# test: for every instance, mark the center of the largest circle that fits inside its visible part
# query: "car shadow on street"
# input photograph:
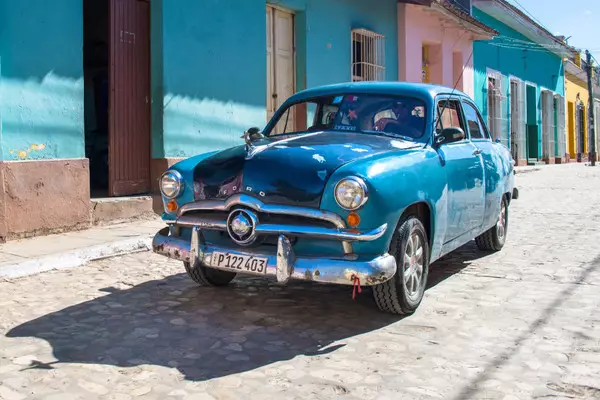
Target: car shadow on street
(205, 332)
(211, 332)
(454, 263)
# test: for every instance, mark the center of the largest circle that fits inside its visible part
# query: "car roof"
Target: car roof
(419, 90)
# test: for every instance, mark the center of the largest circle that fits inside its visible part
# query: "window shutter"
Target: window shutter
(503, 120)
(547, 124)
(522, 122)
(597, 124)
(561, 129)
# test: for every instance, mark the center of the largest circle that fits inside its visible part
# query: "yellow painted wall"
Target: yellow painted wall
(575, 85)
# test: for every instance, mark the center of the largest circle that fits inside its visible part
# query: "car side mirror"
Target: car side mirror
(252, 134)
(449, 135)
(253, 131)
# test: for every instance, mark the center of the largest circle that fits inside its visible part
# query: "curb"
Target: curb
(75, 258)
(525, 171)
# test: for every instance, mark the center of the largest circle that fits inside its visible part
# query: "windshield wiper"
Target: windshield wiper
(391, 135)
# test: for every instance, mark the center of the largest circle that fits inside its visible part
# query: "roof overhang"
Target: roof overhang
(575, 74)
(457, 17)
(520, 22)
(464, 20)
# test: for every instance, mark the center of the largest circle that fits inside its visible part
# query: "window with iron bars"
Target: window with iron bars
(368, 58)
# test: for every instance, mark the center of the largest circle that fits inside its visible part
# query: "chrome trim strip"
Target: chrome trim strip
(345, 235)
(321, 233)
(284, 265)
(205, 222)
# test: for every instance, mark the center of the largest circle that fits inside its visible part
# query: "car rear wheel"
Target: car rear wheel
(494, 238)
(403, 293)
(208, 276)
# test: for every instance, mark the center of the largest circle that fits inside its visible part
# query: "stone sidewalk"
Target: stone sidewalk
(68, 250)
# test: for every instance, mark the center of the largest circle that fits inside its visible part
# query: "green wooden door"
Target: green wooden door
(532, 125)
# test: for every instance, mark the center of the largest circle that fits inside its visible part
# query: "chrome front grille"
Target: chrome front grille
(273, 220)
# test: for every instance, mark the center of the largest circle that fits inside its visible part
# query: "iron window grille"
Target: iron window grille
(368, 56)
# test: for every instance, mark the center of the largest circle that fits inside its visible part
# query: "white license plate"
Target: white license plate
(239, 263)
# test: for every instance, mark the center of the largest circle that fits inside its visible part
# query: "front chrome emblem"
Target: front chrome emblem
(241, 226)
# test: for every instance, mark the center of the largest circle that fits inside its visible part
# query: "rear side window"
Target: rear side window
(476, 127)
(449, 115)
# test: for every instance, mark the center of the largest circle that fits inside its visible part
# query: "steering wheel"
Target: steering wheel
(393, 126)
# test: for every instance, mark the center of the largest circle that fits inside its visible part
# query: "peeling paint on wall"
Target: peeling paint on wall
(29, 153)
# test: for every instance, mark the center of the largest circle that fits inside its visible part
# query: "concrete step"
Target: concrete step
(533, 161)
(116, 209)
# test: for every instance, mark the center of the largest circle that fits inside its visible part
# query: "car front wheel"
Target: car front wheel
(208, 276)
(403, 293)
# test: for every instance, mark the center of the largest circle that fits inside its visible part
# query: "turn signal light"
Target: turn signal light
(353, 219)
(172, 206)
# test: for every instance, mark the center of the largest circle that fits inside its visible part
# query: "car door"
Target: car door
(491, 153)
(464, 173)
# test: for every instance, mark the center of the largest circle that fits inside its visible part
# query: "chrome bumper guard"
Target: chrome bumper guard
(284, 265)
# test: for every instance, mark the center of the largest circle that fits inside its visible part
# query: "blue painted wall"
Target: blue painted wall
(41, 85)
(543, 68)
(209, 83)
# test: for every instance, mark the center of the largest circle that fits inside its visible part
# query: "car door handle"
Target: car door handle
(477, 152)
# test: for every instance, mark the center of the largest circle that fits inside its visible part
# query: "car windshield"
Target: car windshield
(397, 116)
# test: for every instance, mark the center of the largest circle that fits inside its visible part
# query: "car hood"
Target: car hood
(293, 170)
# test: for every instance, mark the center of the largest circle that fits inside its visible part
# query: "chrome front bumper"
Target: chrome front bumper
(284, 265)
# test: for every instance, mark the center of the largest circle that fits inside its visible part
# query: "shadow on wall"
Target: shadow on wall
(209, 66)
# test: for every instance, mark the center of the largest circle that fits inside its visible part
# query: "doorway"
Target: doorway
(580, 126)
(571, 130)
(515, 121)
(116, 49)
(281, 63)
(96, 92)
(532, 124)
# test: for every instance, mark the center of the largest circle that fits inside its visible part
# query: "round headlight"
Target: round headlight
(171, 184)
(351, 193)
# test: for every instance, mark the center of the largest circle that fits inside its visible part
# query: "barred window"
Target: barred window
(368, 58)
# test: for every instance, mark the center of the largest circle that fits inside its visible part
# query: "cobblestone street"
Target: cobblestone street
(520, 324)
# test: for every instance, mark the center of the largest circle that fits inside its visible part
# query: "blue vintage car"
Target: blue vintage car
(359, 184)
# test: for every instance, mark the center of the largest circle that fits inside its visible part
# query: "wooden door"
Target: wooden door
(129, 118)
(280, 60)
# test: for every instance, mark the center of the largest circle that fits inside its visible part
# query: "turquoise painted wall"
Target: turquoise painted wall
(543, 68)
(41, 85)
(209, 83)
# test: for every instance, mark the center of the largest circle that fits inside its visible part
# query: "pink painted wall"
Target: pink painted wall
(450, 46)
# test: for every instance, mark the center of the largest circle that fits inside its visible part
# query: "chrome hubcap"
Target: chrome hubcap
(501, 225)
(413, 265)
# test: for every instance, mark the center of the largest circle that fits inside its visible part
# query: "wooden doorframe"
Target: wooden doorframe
(118, 187)
(275, 7)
